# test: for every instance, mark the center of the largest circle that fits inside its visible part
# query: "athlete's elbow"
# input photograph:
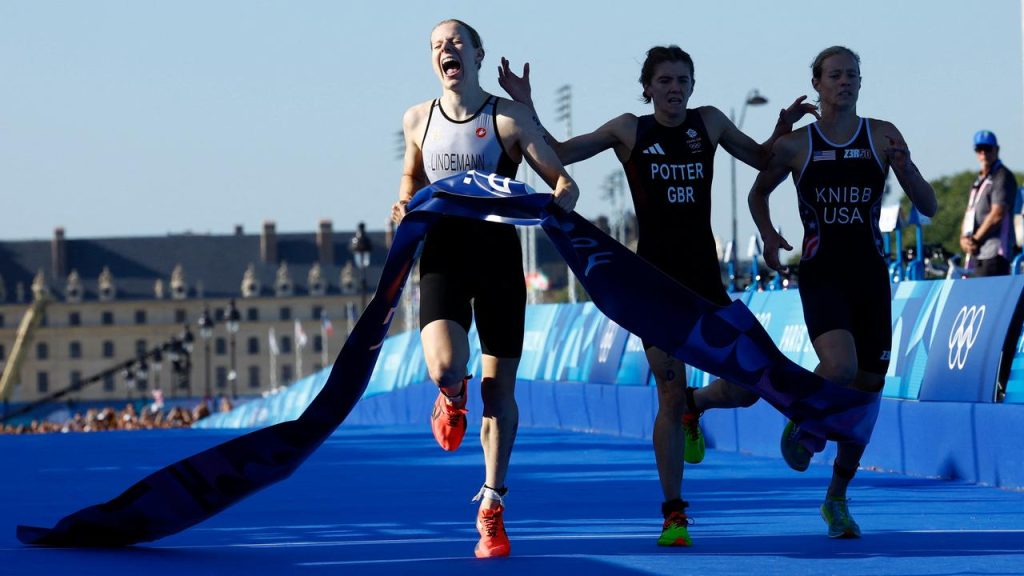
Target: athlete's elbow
(928, 208)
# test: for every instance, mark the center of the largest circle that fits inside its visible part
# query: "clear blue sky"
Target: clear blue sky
(137, 117)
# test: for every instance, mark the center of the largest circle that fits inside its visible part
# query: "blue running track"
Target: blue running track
(388, 501)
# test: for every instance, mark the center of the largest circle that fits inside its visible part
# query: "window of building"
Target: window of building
(42, 351)
(286, 344)
(220, 346)
(253, 346)
(318, 343)
(76, 378)
(108, 383)
(42, 382)
(180, 316)
(140, 316)
(75, 349)
(108, 348)
(286, 374)
(254, 376)
(218, 315)
(140, 348)
(107, 318)
(252, 314)
(285, 313)
(317, 312)
(74, 319)
(2, 352)
(1, 320)
(222, 377)
(45, 320)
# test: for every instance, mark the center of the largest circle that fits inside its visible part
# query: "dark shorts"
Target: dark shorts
(859, 302)
(703, 278)
(468, 268)
(997, 266)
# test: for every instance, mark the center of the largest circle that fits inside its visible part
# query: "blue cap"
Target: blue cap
(985, 138)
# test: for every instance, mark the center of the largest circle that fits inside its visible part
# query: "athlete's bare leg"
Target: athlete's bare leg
(669, 437)
(500, 420)
(837, 352)
(446, 351)
(723, 394)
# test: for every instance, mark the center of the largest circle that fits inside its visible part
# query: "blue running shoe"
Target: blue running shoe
(798, 457)
(836, 514)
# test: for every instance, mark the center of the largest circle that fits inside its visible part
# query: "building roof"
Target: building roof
(213, 265)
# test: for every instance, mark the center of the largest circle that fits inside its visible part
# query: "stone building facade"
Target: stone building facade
(110, 300)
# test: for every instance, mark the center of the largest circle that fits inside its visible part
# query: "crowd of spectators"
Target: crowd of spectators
(153, 416)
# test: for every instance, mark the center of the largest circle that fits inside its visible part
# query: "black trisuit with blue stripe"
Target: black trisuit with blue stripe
(844, 281)
(470, 261)
(669, 173)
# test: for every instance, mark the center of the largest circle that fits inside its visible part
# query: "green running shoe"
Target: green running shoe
(693, 450)
(674, 531)
(798, 457)
(837, 515)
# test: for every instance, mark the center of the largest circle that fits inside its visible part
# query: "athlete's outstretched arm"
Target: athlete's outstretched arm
(743, 147)
(616, 133)
(413, 177)
(519, 129)
(913, 183)
(766, 183)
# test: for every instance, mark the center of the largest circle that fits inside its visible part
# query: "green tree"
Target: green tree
(951, 193)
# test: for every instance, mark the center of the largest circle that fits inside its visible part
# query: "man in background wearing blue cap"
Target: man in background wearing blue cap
(985, 237)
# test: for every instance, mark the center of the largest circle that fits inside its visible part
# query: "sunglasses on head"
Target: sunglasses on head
(983, 148)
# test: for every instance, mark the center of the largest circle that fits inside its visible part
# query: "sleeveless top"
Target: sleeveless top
(669, 173)
(840, 193)
(453, 146)
(461, 248)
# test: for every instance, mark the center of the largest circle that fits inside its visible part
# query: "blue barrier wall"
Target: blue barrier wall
(952, 342)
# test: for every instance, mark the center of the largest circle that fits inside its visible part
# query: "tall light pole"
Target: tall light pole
(185, 358)
(141, 373)
(361, 247)
(563, 109)
(400, 144)
(157, 358)
(614, 185)
(753, 98)
(205, 323)
(233, 318)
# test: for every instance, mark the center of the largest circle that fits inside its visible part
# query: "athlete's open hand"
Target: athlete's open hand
(398, 211)
(773, 242)
(517, 87)
(797, 110)
(898, 152)
(566, 194)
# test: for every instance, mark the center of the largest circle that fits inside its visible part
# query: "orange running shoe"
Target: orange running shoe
(493, 538)
(448, 420)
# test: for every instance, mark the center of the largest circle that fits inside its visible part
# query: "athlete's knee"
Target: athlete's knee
(868, 382)
(498, 397)
(445, 374)
(743, 398)
(672, 399)
(669, 376)
(841, 372)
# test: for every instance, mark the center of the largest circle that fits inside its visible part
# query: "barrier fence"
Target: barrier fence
(957, 349)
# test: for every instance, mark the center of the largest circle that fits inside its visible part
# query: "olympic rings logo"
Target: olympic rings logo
(963, 334)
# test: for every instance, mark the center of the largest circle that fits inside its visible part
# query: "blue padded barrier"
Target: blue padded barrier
(972, 324)
(582, 372)
(1015, 383)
